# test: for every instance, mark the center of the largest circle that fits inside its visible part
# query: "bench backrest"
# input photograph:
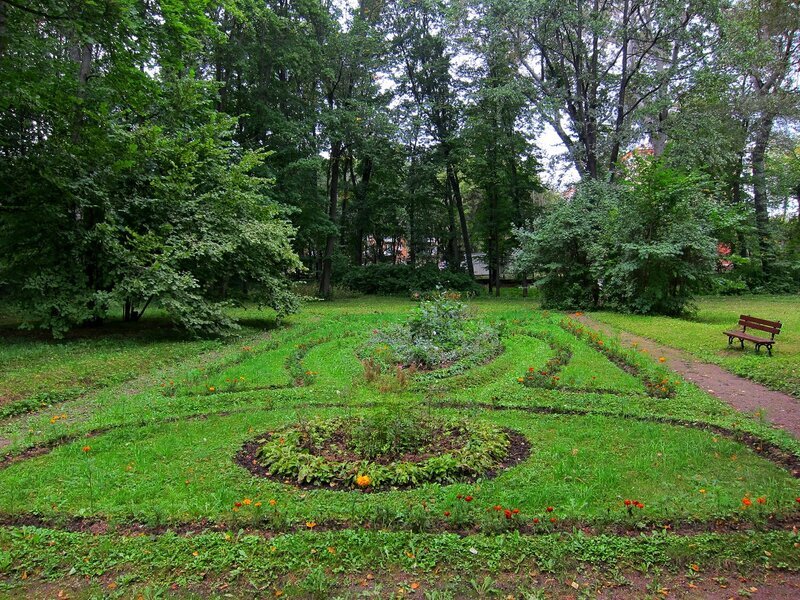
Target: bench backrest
(771, 327)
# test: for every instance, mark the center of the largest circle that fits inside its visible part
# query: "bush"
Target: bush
(391, 279)
(645, 246)
(438, 333)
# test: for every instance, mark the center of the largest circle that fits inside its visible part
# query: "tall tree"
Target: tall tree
(596, 68)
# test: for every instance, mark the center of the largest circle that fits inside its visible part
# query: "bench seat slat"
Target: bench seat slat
(750, 338)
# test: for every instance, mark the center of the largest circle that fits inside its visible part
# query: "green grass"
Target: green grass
(702, 336)
(162, 455)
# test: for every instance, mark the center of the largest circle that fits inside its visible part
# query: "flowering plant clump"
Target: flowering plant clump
(499, 518)
(439, 334)
(352, 454)
(630, 505)
(547, 377)
(656, 378)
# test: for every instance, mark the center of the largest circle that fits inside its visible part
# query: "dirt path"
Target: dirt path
(780, 409)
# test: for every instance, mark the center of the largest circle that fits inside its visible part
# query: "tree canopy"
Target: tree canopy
(191, 155)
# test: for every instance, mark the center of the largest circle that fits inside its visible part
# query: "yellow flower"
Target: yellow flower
(247, 502)
(662, 359)
(273, 502)
(311, 524)
(363, 481)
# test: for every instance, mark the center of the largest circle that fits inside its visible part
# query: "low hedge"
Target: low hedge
(401, 279)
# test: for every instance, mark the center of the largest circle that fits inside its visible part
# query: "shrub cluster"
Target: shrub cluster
(389, 279)
(646, 245)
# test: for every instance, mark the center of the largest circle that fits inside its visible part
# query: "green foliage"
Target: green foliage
(387, 433)
(124, 187)
(438, 333)
(560, 248)
(646, 245)
(657, 248)
(388, 279)
(296, 452)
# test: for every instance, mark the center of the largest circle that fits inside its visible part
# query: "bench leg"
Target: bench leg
(730, 340)
(742, 341)
(758, 347)
(769, 349)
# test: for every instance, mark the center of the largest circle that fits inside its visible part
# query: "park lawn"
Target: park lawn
(701, 335)
(93, 473)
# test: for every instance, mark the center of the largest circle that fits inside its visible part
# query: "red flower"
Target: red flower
(535, 520)
(237, 504)
(498, 507)
(508, 514)
(467, 498)
(515, 511)
(549, 509)
(447, 513)
(762, 500)
(553, 519)
(628, 503)
(746, 502)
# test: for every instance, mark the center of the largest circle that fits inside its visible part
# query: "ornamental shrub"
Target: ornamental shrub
(438, 333)
(646, 245)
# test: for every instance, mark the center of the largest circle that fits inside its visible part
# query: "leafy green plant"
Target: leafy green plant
(438, 333)
(294, 452)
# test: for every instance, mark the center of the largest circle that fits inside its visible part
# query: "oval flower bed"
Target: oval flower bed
(370, 453)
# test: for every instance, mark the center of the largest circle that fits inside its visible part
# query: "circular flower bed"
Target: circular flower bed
(383, 451)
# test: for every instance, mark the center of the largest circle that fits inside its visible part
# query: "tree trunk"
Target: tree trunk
(453, 262)
(81, 54)
(3, 28)
(456, 190)
(325, 288)
(757, 161)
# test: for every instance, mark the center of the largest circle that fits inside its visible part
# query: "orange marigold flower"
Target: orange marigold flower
(762, 500)
(311, 524)
(247, 502)
(273, 502)
(746, 501)
(363, 481)
(86, 448)
(662, 359)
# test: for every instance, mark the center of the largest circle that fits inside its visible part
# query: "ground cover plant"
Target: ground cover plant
(701, 336)
(154, 488)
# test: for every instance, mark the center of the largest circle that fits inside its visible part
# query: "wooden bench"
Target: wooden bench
(747, 322)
